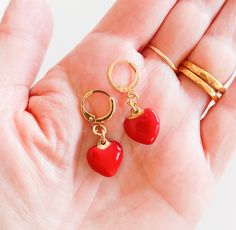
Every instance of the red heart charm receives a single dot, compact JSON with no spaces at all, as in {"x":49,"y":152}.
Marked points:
{"x":144,"y":128}
{"x":105,"y":161}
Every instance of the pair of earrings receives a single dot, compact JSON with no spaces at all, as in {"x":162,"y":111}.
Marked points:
{"x":142,"y":125}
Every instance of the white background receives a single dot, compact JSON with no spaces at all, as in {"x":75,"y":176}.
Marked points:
{"x":73,"y":19}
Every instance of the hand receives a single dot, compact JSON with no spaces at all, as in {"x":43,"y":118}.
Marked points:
{"x":45,"y":181}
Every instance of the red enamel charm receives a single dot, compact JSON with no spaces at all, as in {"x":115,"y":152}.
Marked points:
{"x":144,"y":128}
{"x":105,"y":161}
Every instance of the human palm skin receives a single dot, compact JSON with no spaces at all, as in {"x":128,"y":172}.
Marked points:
{"x":45,"y":181}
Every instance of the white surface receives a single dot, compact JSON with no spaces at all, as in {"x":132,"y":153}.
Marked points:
{"x":73,"y":19}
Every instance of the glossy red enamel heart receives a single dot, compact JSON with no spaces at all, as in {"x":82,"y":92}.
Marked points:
{"x":144,"y":128}
{"x":105,"y":161}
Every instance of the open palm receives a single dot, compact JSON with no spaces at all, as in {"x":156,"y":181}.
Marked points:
{"x":45,"y":181}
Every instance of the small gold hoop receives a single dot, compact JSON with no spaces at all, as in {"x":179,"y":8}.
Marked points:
{"x":132,"y":101}
{"x":99,"y":130}
{"x":120,"y":88}
{"x":92,"y":118}
{"x":133,"y":95}
{"x":205,"y":76}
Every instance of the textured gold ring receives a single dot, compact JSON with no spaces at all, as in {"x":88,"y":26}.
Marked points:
{"x":198,"y":81}
{"x":205,"y":76}
{"x":203,"y":79}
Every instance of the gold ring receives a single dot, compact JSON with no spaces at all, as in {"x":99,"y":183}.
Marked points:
{"x":197,"y":80}
{"x":203,"y":79}
{"x":205,"y":76}
{"x":164,"y":57}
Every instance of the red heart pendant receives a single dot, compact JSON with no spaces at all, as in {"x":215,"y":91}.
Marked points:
{"x":144,"y":128}
{"x":105,"y":161}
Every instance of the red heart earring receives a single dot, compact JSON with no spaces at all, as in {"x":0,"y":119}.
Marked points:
{"x":142,"y":125}
{"x":106,"y":156}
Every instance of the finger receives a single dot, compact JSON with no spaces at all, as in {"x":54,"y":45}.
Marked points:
{"x":25,"y":31}
{"x":219,"y":131}
{"x":215,"y":53}
{"x":183,"y":28}
{"x":135,"y":21}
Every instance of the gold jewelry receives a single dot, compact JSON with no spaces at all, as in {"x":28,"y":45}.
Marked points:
{"x":106,"y":156}
{"x":164,"y":57}
{"x":92,"y":118}
{"x":205,"y":76}
{"x":143,"y":124}
{"x":203,"y":79}
{"x":120,"y":88}
{"x":132,"y":96}
{"x":202,"y":84}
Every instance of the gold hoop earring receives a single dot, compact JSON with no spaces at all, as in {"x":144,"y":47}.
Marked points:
{"x":106,"y":156}
{"x":142,"y":125}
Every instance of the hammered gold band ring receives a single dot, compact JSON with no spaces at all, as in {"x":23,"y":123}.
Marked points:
{"x":203,"y":79}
